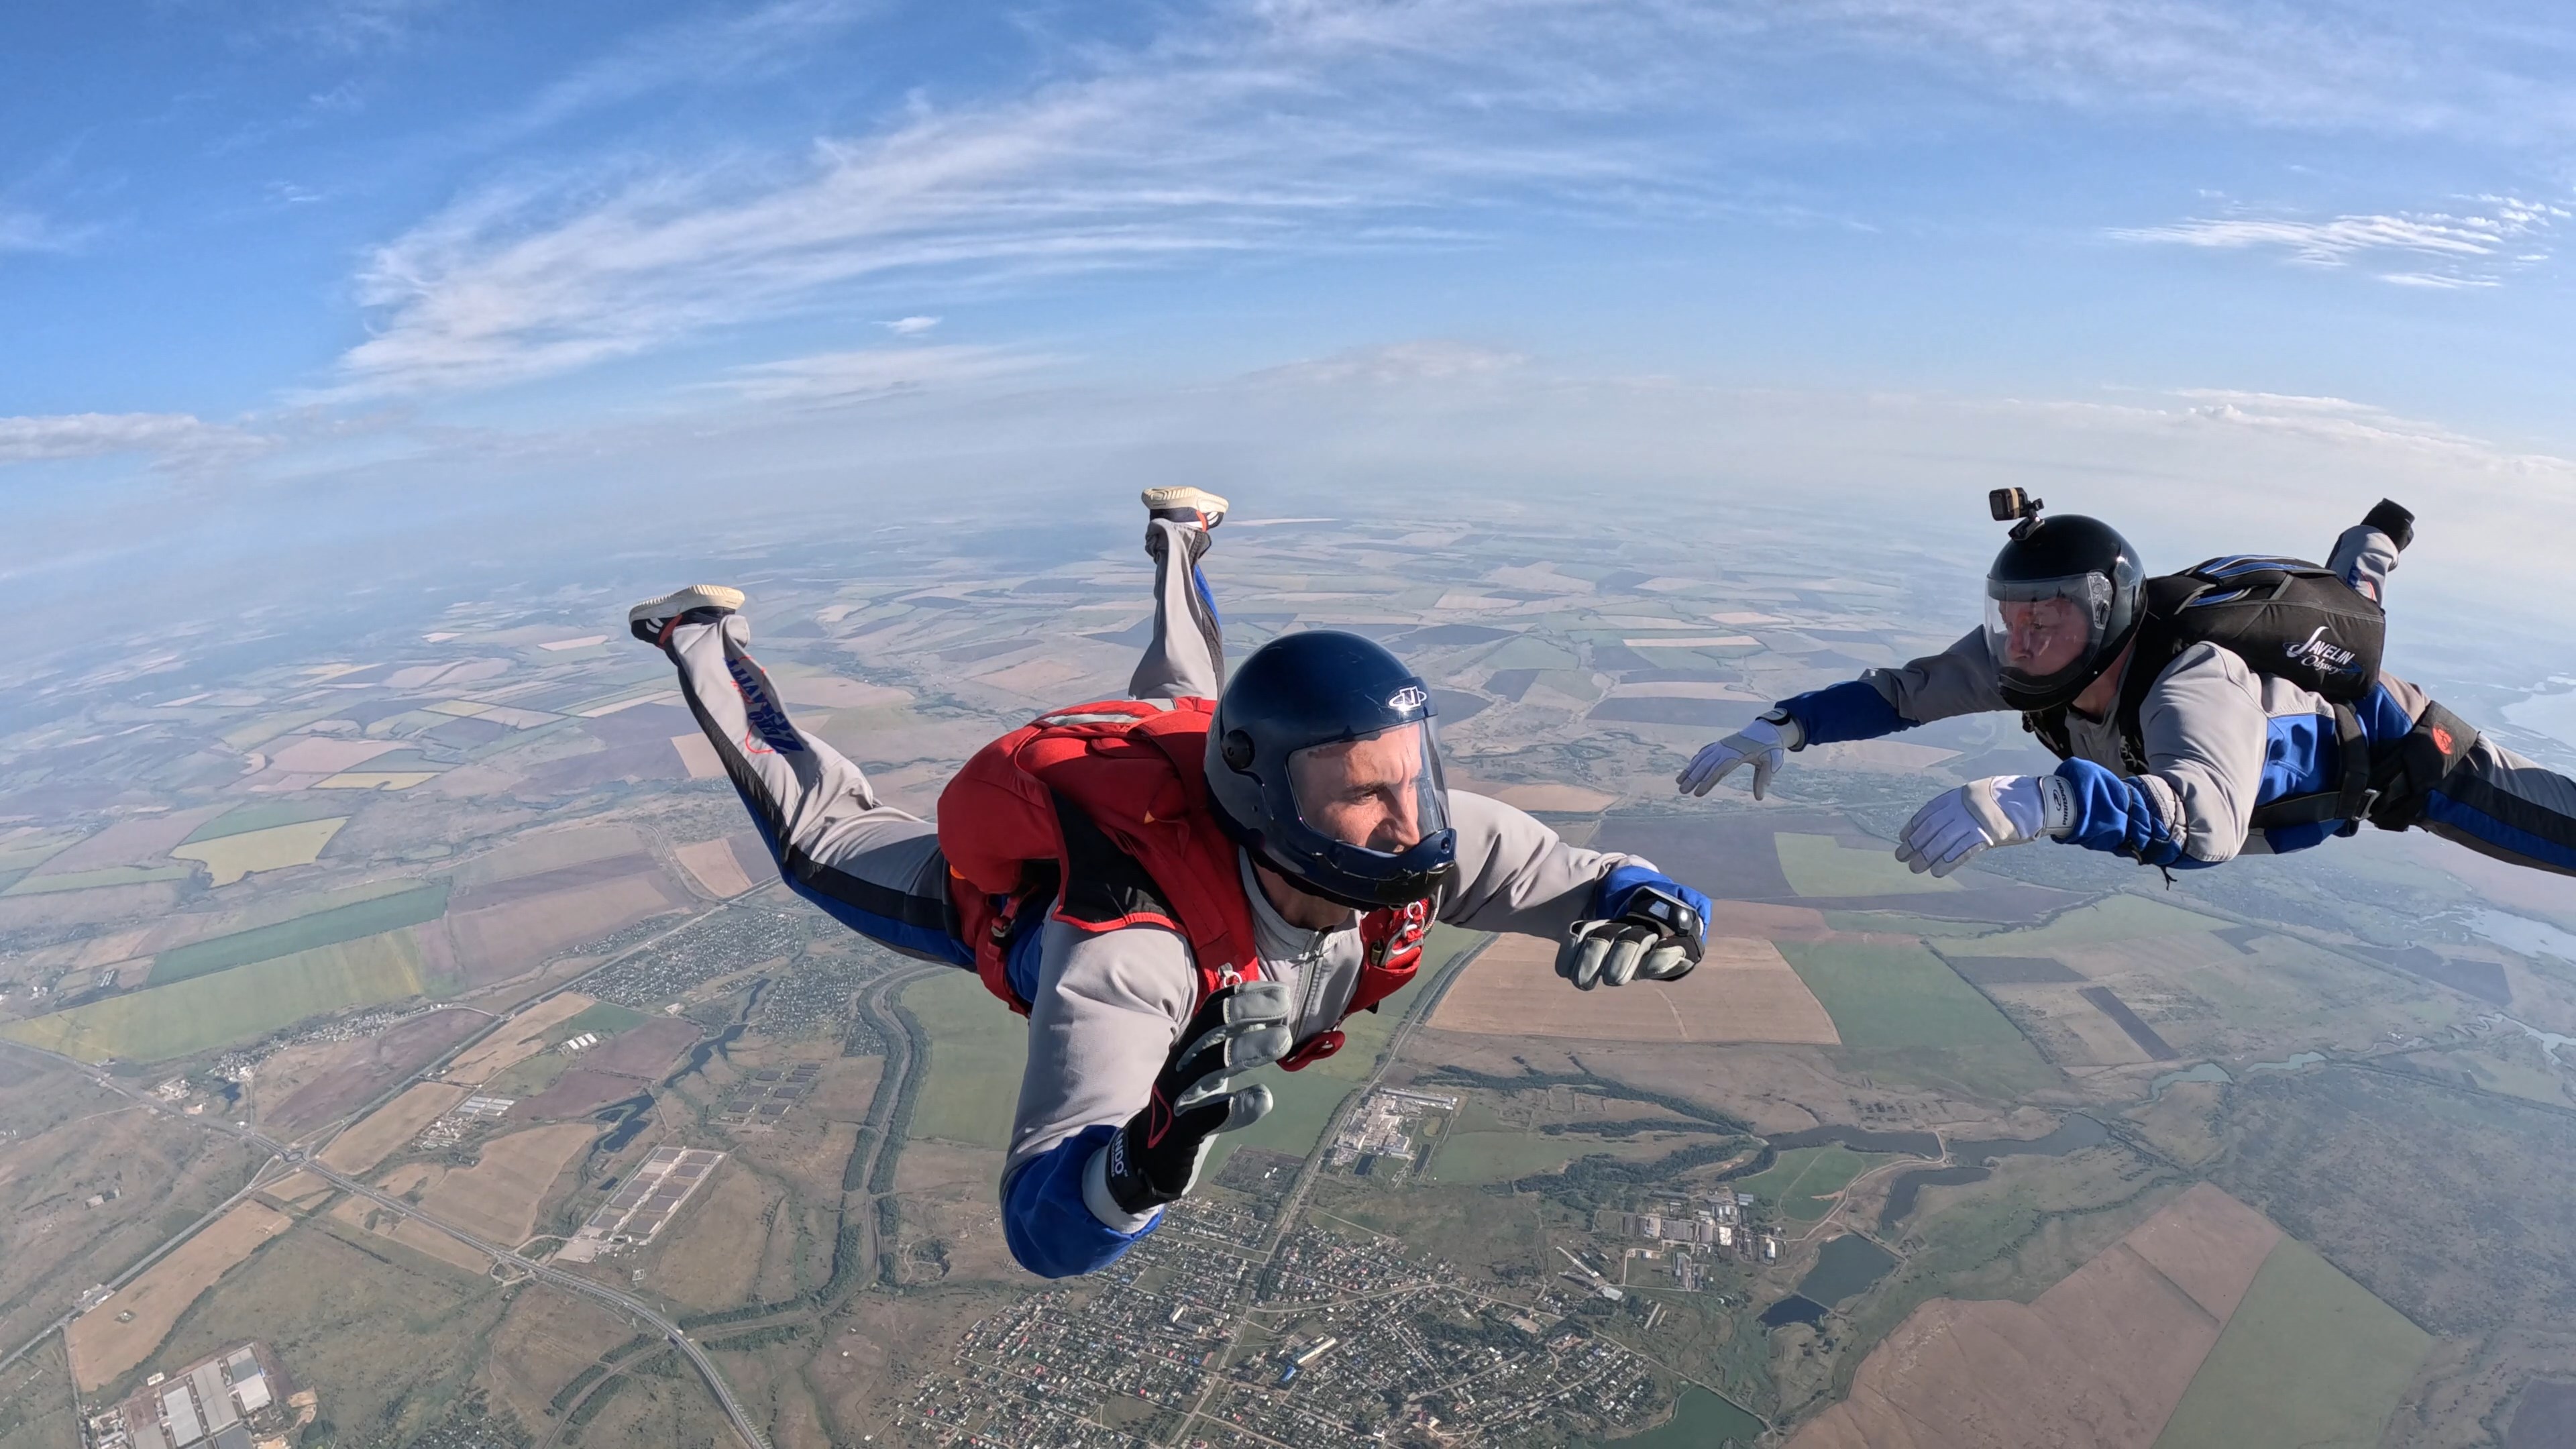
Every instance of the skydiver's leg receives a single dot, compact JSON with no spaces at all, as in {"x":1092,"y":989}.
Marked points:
{"x":874,"y":868}
{"x":2497,"y":803}
{"x":1187,"y":653}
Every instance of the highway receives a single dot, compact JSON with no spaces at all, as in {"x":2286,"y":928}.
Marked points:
{"x":295,"y":1158}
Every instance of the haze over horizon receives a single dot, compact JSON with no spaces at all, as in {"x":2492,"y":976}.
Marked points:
{"x":344,"y":286}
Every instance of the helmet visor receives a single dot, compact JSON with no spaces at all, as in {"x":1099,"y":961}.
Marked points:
{"x":1380,"y":793}
{"x":2044,"y":634}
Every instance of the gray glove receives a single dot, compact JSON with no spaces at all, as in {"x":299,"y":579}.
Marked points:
{"x":1657,"y":937}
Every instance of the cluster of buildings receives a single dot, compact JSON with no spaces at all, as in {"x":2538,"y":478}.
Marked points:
{"x":1719,"y":1224}
{"x":722,"y":944}
{"x":1350,"y":1342}
{"x":649,"y":1198}
{"x":1382,"y":1128}
{"x":460,"y":1121}
{"x":236,"y":1399}
{"x":581,"y":1043}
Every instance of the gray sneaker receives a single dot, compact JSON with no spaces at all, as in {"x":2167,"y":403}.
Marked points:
{"x":652,"y":619}
{"x":1185,"y":505}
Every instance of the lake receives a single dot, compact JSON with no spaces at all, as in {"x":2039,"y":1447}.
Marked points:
{"x":1701,"y":1421}
{"x":1844,"y":1269}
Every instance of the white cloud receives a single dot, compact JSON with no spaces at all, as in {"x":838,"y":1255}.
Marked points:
{"x":1430,"y":360}
{"x":1254,"y":128}
{"x":2471,"y":249}
{"x":175,"y":437}
{"x":26,"y":231}
{"x":841,"y":377}
{"x":909,"y":326}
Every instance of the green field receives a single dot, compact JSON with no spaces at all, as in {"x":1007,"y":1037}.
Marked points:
{"x":1904,"y":1011}
{"x":114,"y":875}
{"x":2121,"y":917}
{"x":266,"y":815}
{"x":1803,"y":1182}
{"x":352,"y":922}
{"x":606,"y":1017}
{"x":527,"y":1077}
{"x":2310,"y":1358}
{"x":1476,"y":1158}
{"x":239,"y":1005}
{"x":1819,"y":865}
{"x":978,"y":1047}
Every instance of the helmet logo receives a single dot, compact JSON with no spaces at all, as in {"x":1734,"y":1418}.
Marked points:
{"x":1406,"y":699}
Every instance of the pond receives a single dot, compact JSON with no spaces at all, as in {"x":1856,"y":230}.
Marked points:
{"x":2523,"y":935}
{"x":1913,"y":1144}
{"x":2077,"y":1131}
{"x":1796,"y":1308}
{"x":1845,"y":1269}
{"x":1701,"y":1420}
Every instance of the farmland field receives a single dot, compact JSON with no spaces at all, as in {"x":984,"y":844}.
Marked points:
{"x":230,"y":857}
{"x":238,"y":1005}
{"x":523,"y":1035}
{"x":1905,"y":1006}
{"x":330,"y":927}
{"x":113,"y":875}
{"x":606,"y":1018}
{"x":390,"y":1126}
{"x":1820,"y":865}
{"x":1482,"y":1157}
{"x":266,"y":815}
{"x":977,"y":1050}
{"x":1743,"y":991}
{"x":2310,"y":1358}
{"x":1805,"y":1179}
{"x":103,"y":1348}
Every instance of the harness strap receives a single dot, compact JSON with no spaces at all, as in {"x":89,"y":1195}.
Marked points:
{"x":2422,"y":760}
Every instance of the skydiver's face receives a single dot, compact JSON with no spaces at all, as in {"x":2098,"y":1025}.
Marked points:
{"x":2043,"y":636}
{"x":1366,"y":792}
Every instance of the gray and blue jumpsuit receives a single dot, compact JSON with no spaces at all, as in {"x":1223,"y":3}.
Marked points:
{"x":2222,"y":741}
{"x":1105,"y":1007}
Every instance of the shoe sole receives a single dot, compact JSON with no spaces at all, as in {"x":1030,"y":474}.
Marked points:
{"x":673,"y":605}
{"x":1196,"y":500}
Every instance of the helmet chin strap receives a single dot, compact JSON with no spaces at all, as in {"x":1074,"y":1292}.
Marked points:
{"x":1299,"y":906}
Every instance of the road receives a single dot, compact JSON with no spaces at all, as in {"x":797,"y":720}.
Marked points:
{"x":292,"y":1157}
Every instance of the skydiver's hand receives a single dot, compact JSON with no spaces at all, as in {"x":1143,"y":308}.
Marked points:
{"x":1155,"y":1157}
{"x":1982,"y":814}
{"x":1658,"y":935}
{"x":1762,"y":744}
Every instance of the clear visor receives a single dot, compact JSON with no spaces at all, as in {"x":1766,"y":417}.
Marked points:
{"x":1379,"y":792}
{"x":2043,"y":631}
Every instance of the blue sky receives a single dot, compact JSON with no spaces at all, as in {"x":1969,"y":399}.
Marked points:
{"x":304,"y":272}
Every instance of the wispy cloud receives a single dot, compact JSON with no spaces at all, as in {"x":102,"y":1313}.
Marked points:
{"x":1258,"y":128}
{"x":1429,"y":360}
{"x":176,"y":438}
{"x":730,"y":48}
{"x":846,"y":377}
{"x":2465,"y":249}
{"x":909,"y":326}
{"x":27,"y":231}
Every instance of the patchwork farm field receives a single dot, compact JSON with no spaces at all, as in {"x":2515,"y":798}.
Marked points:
{"x":1743,"y":991}
{"x":237,"y":1005}
{"x":978,"y":1048}
{"x":1806,"y":1180}
{"x":228,"y":858}
{"x":2309,"y":1358}
{"x":357,"y":920}
{"x":1906,"y":1009}
{"x":1822,"y":865}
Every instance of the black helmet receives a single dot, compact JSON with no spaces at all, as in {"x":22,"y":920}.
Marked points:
{"x":2060,"y":578}
{"x":1292,"y":777}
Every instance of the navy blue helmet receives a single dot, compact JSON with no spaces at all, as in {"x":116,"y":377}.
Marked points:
{"x":1323,"y":763}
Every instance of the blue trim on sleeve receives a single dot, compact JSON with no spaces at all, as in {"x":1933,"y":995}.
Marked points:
{"x":1850,"y":710}
{"x":2301,"y":756}
{"x":1051,"y":1231}
{"x":1610,"y":896}
{"x":922,"y":941}
{"x":2114,"y":814}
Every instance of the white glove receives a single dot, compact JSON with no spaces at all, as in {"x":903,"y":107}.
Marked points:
{"x":1982,"y":814}
{"x":1763,"y":743}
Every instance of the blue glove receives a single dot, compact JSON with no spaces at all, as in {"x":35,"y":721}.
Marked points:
{"x":1649,"y":926}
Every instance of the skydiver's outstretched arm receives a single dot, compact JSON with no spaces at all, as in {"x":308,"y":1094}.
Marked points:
{"x":1958,"y":680}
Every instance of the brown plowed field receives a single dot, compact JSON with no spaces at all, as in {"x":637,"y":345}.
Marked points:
{"x":360,"y":1069}
{"x":577,"y":1093}
{"x":504,"y":941}
{"x":391,"y":1125}
{"x":645,"y":1050}
{"x":1743,"y":991}
{"x":518,"y":1038}
{"x":130,"y":842}
{"x":2102,"y":1358}
{"x":712,"y":865}
{"x":102,"y":1349}
{"x":497,"y":1199}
